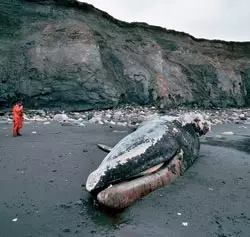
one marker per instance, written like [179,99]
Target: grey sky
[211,19]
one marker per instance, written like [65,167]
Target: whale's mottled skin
[154,144]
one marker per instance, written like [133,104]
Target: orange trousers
[17,126]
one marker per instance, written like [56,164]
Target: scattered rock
[66,230]
[73,122]
[128,116]
[228,133]
[243,117]
[119,131]
[61,117]
[219,136]
[65,205]
[79,202]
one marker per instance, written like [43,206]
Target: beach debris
[127,116]
[61,117]
[228,133]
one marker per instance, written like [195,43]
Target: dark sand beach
[42,173]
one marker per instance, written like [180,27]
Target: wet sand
[41,177]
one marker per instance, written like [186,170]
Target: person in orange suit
[17,119]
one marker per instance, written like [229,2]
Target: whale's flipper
[105,147]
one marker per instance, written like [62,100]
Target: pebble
[61,117]
[65,205]
[66,230]
[218,136]
[79,202]
[228,133]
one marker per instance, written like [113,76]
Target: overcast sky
[211,19]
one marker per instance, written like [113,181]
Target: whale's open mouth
[154,169]
[122,194]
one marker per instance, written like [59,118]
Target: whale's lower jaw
[122,195]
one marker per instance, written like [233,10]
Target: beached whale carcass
[147,159]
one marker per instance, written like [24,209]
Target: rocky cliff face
[71,56]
